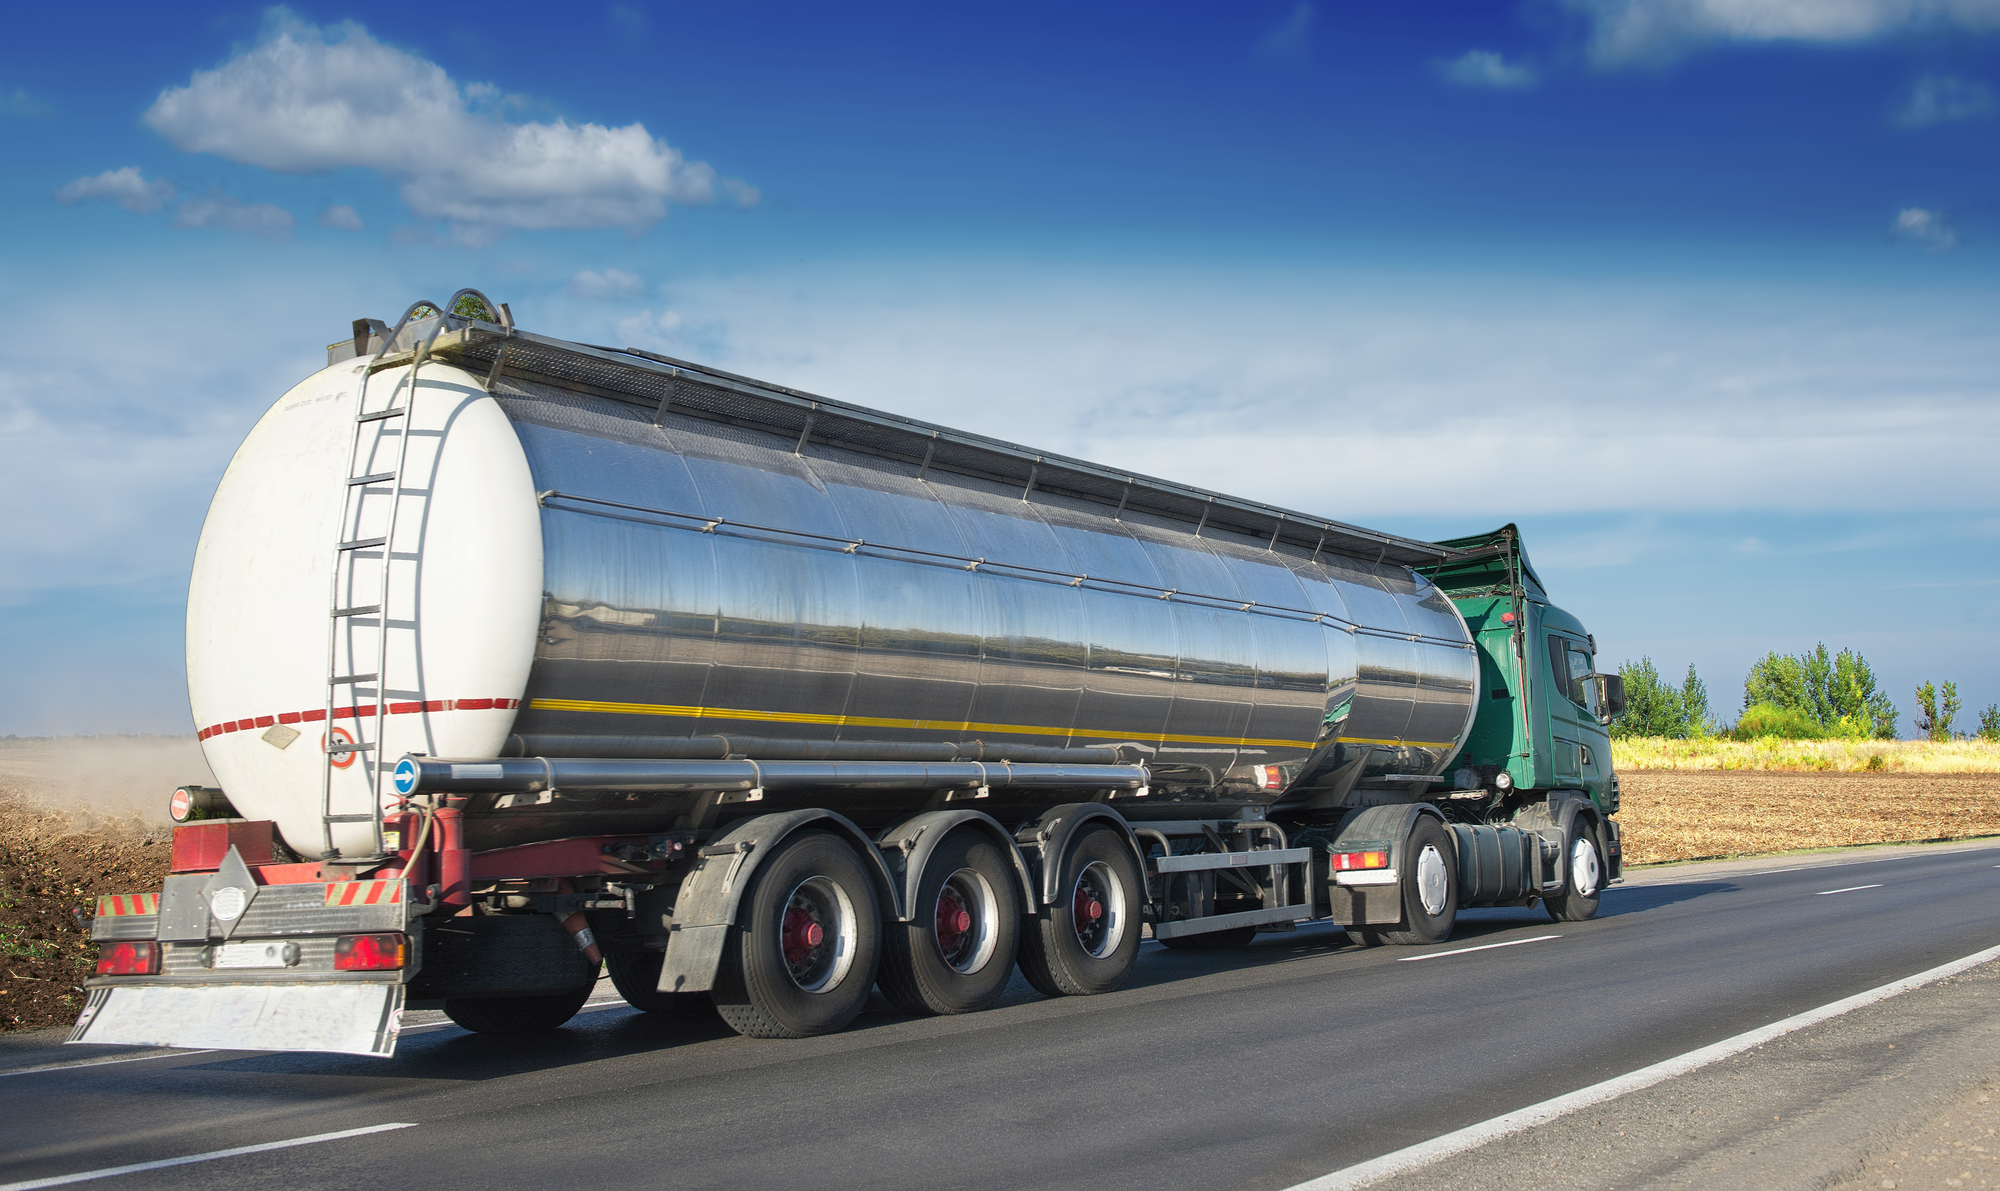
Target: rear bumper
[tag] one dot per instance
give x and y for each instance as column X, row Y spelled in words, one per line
column 349, row 1017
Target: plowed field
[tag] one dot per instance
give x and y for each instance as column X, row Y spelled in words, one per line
column 1689, row 814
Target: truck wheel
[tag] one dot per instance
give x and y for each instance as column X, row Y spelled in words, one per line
column 515, row 1015
column 1583, row 880
column 803, row 960
column 1086, row 942
column 1430, row 885
column 1214, row 940
column 956, row 953
column 636, row 976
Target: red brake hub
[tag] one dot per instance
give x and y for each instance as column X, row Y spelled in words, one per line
column 953, row 921
column 801, row 934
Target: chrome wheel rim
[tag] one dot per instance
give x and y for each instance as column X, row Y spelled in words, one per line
column 965, row 921
column 816, row 932
column 1097, row 909
column 1433, row 883
column 1584, row 872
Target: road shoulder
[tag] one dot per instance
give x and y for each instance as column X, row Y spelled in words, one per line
column 1847, row 1103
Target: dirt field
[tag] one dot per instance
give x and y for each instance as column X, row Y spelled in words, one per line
column 78, row 818
column 1691, row 814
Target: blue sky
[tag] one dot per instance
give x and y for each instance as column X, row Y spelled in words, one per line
column 1702, row 293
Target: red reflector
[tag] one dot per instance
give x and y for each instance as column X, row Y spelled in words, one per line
column 1346, row 861
column 136, row 958
column 201, row 847
column 370, row 953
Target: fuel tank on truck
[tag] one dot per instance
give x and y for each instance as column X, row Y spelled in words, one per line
column 593, row 553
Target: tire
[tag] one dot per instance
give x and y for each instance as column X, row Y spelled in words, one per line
column 515, row 1015
column 956, row 953
column 803, row 959
column 1086, row 942
column 636, row 976
column 1583, row 874
column 1430, row 885
column 1215, row 940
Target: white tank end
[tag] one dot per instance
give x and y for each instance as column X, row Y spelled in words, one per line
column 464, row 605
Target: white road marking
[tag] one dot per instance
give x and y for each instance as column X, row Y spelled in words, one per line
column 1410, row 959
column 136, row 1167
column 1422, row 1154
column 177, row 1054
column 1849, row 889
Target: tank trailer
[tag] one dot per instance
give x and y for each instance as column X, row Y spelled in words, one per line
column 519, row 660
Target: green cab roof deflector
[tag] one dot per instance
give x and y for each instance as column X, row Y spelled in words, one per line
column 1488, row 566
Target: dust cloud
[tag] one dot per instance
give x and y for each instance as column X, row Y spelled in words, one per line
column 118, row 783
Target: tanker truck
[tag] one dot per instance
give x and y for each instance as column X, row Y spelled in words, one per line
column 521, row 661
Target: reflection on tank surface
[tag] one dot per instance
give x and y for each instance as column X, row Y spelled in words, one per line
column 710, row 579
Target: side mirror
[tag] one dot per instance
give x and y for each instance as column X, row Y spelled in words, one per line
column 1610, row 696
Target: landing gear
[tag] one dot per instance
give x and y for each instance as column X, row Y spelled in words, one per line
column 804, row 960
column 1087, row 941
column 956, row 953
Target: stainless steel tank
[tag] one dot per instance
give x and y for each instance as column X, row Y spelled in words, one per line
column 711, row 573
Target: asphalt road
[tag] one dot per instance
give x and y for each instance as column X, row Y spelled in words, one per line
column 1259, row 1068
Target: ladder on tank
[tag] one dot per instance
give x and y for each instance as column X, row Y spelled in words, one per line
column 369, row 475
column 364, row 480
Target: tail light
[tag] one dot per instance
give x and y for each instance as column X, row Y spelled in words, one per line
column 1349, row 861
column 1269, row 777
column 132, row 958
column 370, row 953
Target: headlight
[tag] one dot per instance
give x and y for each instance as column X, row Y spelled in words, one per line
column 1503, row 780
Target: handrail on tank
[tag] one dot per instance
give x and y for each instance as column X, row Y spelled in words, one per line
column 398, row 328
column 1069, row 578
column 500, row 314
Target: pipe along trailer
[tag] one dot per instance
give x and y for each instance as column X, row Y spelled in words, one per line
column 520, row 658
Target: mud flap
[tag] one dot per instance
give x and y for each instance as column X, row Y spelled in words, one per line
column 693, row 955
column 347, row 1018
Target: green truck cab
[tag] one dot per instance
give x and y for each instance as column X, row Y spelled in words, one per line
column 1540, row 738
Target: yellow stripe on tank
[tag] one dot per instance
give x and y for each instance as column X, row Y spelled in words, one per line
column 869, row 721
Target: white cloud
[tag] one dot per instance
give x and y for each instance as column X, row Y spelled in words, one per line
column 1629, row 31
column 127, row 187
column 1937, row 98
column 647, row 327
column 20, row 103
column 612, row 283
column 341, row 216
column 1926, row 228
column 233, row 214
column 1484, row 68
column 1676, row 398
column 306, row 100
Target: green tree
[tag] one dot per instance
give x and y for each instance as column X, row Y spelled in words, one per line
column 1694, row 705
column 1935, row 714
column 1652, row 707
column 1785, row 723
column 1989, row 722
column 1835, row 691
